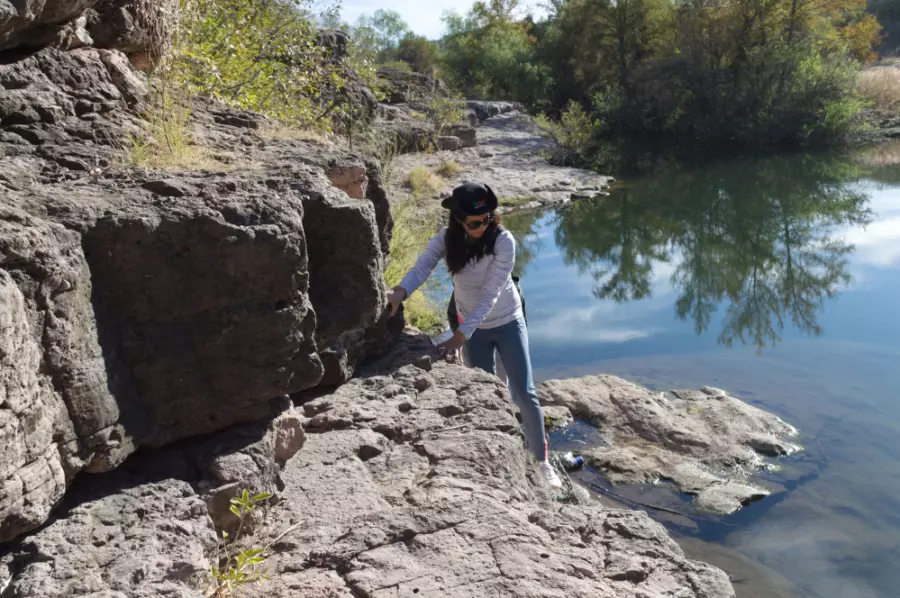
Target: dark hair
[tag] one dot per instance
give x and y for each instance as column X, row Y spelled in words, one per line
column 460, row 251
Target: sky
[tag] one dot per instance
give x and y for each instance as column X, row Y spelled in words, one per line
column 422, row 16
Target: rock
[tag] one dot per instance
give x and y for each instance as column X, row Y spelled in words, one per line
column 248, row 458
column 405, row 86
column 510, row 158
column 349, row 178
column 448, row 143
column 126, row 537
column 169, row 188
column 140, row 29
column 442, row 499
column 407, row 136
column 728, row 497
column 154, row 522
column 346, row 272
column 465, row 133
column 17, row 20
column 485, row 110
column 556, row 417
column 151, row 300
column 705, row 442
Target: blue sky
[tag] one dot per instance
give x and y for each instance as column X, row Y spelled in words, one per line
column 423, row 16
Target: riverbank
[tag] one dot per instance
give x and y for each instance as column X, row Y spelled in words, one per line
column 173, row 338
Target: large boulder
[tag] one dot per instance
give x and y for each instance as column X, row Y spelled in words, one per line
column 142, row 29
column 131, row 537
column 141, row 308
column 19, row 18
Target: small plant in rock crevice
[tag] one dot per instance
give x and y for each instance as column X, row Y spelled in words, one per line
column 238, row 567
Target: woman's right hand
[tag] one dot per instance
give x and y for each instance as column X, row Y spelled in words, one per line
column 395, row 298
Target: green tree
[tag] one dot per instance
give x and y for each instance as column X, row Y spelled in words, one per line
column 418, row 53
column 381, row 33
column 262, row 55
column 489, row 54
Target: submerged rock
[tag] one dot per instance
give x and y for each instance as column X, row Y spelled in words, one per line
column 705, row 442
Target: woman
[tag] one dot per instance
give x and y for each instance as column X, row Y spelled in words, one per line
column 480, row 255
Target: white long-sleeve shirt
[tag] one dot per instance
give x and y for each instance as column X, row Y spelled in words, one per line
column 485, row 294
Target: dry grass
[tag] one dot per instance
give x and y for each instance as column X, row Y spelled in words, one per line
column 880, row 156
column 881, row 86
column 281, row 132
column 423, row 182
column 448, row 168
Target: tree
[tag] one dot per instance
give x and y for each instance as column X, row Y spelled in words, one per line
column 418, row 53
column 382, row 32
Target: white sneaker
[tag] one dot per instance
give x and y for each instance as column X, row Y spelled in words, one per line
column 550, row 475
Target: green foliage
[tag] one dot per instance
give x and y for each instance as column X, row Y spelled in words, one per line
column 576, row 133
column 446, row 111
column 244, row 566
column 735, row 72
column 381, row 32
column 423, row 183
column 415, row 222
column 491, row 55
column 419, row 53
column 261, row 55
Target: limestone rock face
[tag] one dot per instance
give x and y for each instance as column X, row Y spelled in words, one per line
column 140, row 308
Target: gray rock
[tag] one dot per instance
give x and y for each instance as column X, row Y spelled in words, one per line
column 488, row 109
column 510, row 158
column 402, row 493
column 127, row 538
column 705, row 442
column 448, row 143
column 465, row 133
column 405, row 86
column 19, row 18
column 151, row 300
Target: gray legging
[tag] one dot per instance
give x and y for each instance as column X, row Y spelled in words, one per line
column 510, row 341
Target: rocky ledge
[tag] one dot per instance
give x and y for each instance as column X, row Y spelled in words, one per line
column 511, row 158
column 414, row 481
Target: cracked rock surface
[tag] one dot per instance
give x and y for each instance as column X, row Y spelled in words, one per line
column 430, row 492
column 705, row 442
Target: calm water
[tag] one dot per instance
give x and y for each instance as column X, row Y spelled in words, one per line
column 779, row 280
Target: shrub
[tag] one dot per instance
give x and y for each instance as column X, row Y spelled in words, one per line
column 448, row 168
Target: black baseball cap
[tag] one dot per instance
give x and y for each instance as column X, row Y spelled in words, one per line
column 471, row 199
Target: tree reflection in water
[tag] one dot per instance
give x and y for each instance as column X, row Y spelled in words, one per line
column 757, row 238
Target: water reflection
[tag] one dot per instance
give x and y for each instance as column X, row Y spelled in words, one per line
column 756, row 239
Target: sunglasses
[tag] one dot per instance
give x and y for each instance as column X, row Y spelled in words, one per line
column 477, row 224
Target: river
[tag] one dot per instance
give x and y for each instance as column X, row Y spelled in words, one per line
column 777, row 279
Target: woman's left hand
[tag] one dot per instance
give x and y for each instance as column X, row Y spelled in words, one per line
column 452, row 346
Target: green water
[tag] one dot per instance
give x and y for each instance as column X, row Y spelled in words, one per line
column 777, row 279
